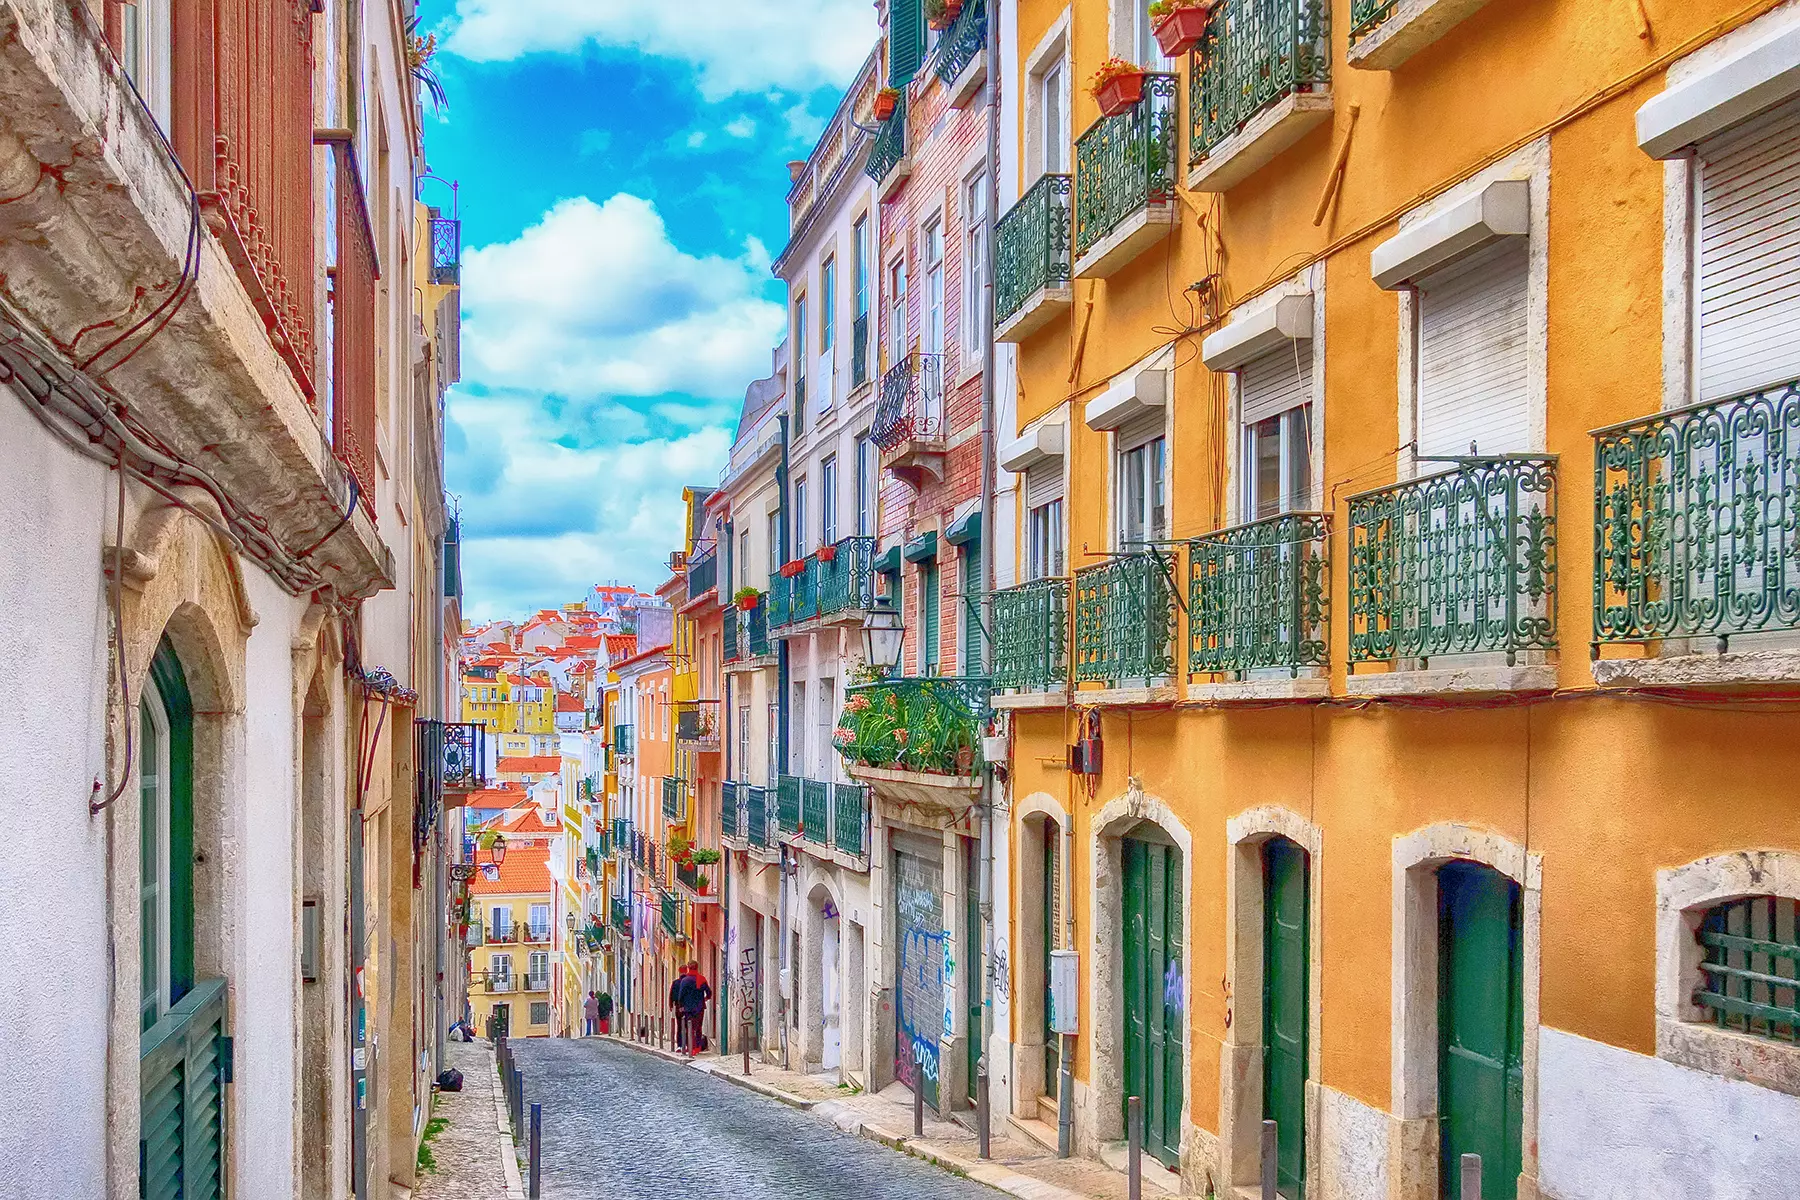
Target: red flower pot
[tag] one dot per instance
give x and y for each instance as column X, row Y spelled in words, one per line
column 827, row 553
column 747, row 604
column 791, row 569
column 885, row 102
column 1119, row 93
column 1182, row 29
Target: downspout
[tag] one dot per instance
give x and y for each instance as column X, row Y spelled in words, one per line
column 722, row 998
column 991, row 97
column 782, row 723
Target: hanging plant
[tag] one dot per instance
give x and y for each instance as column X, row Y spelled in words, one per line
column 746, row 598
column 1179, row 24
column 705, row 857
column 1117, row 86
column 940, row 13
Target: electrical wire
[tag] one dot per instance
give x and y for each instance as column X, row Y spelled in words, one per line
column 115, row 587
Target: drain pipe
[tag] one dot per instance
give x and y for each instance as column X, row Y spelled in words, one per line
column 783, row 723
column 991, row 94
column 1065, row 1084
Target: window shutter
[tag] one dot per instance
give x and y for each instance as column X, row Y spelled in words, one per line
column 1043, row 483
column 1140, row 430
column 1473, row 354
column 183, row 1072
column 1276, row 382
column 1750, row 255
column 906, row 41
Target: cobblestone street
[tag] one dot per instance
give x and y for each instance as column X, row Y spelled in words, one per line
column 620, row 1124
column 468, row 1153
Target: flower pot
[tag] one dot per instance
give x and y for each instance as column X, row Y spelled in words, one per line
column 1120, row 93
column 790, row 569
column 827, row 553
column 885, row 103
column 1182, row 29
column 748, row 604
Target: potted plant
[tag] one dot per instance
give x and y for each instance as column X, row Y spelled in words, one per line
column 792, row 568
column 1179, row 24
column 1117, row 85
column 827, row 553
column 705, row 858
column 746, row 598
column 940, row 13
column 701, row 883
column 886, row 101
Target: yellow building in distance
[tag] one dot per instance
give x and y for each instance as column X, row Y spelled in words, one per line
column 510, row 941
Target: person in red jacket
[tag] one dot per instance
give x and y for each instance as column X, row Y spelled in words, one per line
column 693, row 1007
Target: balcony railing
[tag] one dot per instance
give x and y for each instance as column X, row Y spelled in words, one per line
column 1031, row 245
column 674, row 912
column 621, row 915
column 703, row 572
column 1366, row 17
column 890, row 145
column 1258, row 595
column 826, row 814
column 959, row 44
column 1126, row 163
column 756, row 637
column 537, row 933
column 500, row 983
column 1031, row 635
column 1255, row 53
column 850, row 818
column 795, row 598
column 847, row 582
column 920, row 723
column 1695, row 518
column 912, row 401
column 623, row 741
column 859, row 350
column 1125, row 621
column 674, row 799
column 537, row 983
column 446, row 250
column 756, row 815
column 1461, row 562
column 500, row 934
column 688, row 875
column 621, row 835
column 731, row 822
column 787, row 804
column 730, row 635
column 815, row 810
column 697, row 724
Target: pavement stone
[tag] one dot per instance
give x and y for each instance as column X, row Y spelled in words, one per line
column 471, row 1151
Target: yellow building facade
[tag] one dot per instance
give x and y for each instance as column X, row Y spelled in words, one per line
column 1403, row 760
column 511, row 943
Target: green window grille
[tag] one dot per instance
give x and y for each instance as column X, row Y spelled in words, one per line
column 889, row 146
column 1255, row 53
column 672, row 916
column 1125, row 621
column 757, row 641
column 924, row 724
column 1460, row 562
column 1694, row 532
column 730, row 825
column 184, row 1064
column 1126, row 163
column 815, row 810
column 673, row 799
column 731, row 632
column 1366, row 17
column 851, row 817
column 787, row 804
column 756, row 816
column 847, row 582
column 906, row 41
column 621, row 915
column 1031, row 635
column 1031, row 245
column 1258, row 595
column 1750, row 973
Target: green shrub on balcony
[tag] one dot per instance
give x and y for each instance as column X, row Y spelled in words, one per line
column 928, row 725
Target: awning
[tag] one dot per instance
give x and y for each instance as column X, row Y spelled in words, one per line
column 921, row 548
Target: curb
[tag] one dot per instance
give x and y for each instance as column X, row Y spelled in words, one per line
column 752, row 1085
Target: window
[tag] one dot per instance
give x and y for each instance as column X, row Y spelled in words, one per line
column 974, row 317
column 896, row 311
column 866, row 487
column 1144, row 49
column 928, row 628
column 1054, row 129
column 799, row 366
column 1142, row 486
column 1275, row 392
column 774, row 755
column 540, row 922
column 500, row 966
column 828, row 304
column 743, row 742
column 1474, row 348
column 828, row 489
column 934, row 288
column 801, row 545
column 774, row 536
column 537, row 963
column 743, row 558
column 165, row 793
column 540, row 1012
column 968, row 606
column 1044, row 541
column 500, row 922
column 145, row 44
column 1745, row 946
column 859, row 241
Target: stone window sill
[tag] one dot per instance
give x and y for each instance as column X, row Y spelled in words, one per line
column 1304, row 687
column 1469, row 680
column 1412, row 26
column 1700, row 670
column 1255, row 146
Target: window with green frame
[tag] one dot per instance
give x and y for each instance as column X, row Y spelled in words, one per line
column 1750, row 967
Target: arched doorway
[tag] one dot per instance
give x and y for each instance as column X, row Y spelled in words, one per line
column 1481, row 1027
column 1155, row 986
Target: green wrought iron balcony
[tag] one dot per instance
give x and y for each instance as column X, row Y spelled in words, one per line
column 755, row 815
column 1461, row 562
column 815, row 810
column 1031, row 247
column 889, row 150
column 1258, row 595
column 911, row 407
column 787, row 804
column 1125, row 621
column 1366, row 16
column 959, row 45
column 731, row 822
column 621, row 915
column 1125, row 164
column 756, row 633
column 795, row 597
column 674, row 916
column 1031, row 636
column 730, row 633
column 846, row 584
column 824, row 813
column 923, row 724
column 1255, row 53
column 1695, row 516
column 674, row 799
column 703, row 572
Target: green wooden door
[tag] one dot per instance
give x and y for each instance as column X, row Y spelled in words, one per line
column 1481, row 1027
column 182, row 1072
column 971, row 608
column 1052, row 894
column 1285, row 974
column 1154, row 988
column 928, row 627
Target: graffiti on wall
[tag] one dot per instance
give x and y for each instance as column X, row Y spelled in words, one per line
column 920, row 1011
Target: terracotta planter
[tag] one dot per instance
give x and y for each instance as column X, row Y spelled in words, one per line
column 791, row 569
column 827, row 553
column 1120, row 93
column 1182, row 29
column 747, row 604
column 885, row 103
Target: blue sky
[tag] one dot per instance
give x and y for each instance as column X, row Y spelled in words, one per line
column 623, row 173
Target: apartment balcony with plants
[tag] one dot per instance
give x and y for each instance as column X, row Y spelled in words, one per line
column 697, row 725
column 889, row 165
column 1258, row 600
column 1032, row 267
column 746, row 630
column 960, row 60
column 1125, row 171
column 909, row 427
column 921, row 736
column 1260, row 81
column 1125, row 626
column 833, row 585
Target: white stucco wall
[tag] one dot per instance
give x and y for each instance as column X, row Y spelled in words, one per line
column 1615, row 1125
column 53, row 639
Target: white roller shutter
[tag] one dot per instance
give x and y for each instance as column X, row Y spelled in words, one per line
column 1043, row 483
column 1140, row 430
column 1474, row 362
column 1749, row 244
column 1271, row 384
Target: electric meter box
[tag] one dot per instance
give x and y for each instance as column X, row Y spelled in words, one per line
column 1065, row 990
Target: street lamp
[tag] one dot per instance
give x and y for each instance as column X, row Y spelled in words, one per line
column 498, row 850
column 883, row 634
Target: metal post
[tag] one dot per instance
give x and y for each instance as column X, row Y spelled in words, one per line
column 1134, row 1147
column 746, row 1040
column 1270, row 1152
column 535, row 1160
column 1471, row 1177
column 918, row 1096
column 1065, row 1099
column 981, row 1114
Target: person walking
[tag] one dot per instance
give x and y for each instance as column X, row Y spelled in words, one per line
column 590, row 1009
column 678, row 993
column 694, row 1001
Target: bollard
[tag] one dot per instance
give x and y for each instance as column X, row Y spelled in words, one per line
column 1471, row 1177
column 1271, row 1152
column 918, row 1097
column 535, row 1160
column 982, row 1136
column 1134, row 1147
column 746, row 1040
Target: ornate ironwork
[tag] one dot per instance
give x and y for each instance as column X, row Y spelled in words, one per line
column 1366, row 17
column 890, row 145
column 925, row 724
column 1125, row 621
column 1031, row 635
column 1126, row 163
column 1461, row 562
column 815, row 810
column 731, row 633
column 1254, row 53
column 1697, row 521
column 1031, row 245
column 850, row 818
column 731, row 822
column 778, row 602
column 464, row 747
column 959, row 44
column 624, row 744
column 446, row 250
column 1258, row 595
column 756, row 815
column 847, row 582
column 787, row 803
column 912, row 401
column 795, row 598
column 674, row 798
column 757, row 641
column 674, row 914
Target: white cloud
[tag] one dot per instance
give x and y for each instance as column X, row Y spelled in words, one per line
column 736, row 46
column 741, row 127
column 595, row 300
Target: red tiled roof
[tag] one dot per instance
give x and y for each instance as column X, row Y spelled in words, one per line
column 504, row 796
column 526, row 820
column 567, row 703
column 542, row 764
column 524, row 870
column 620, row 645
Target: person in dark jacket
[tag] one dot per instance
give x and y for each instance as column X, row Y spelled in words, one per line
column 693, row 1008
column 678, row 1003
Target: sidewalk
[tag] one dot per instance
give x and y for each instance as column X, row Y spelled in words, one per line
column 1017, row 1165
column 474, row 1153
